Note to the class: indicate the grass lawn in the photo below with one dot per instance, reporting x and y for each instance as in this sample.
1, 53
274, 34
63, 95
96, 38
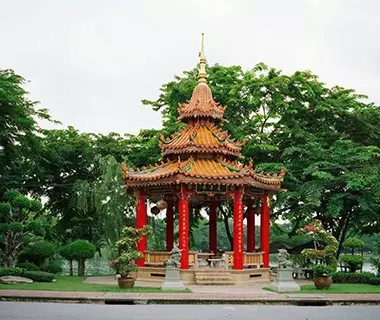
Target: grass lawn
339, 288
75, 283
343, 288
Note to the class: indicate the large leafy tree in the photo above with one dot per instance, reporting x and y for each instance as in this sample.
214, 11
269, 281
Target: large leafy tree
19, 131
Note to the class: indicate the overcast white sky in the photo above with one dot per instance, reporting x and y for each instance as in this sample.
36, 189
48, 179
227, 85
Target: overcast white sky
90, 62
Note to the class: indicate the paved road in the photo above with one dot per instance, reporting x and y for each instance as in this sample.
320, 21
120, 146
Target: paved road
56, 311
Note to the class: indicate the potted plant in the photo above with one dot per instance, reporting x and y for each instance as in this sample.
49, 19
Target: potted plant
324, 259
126, 247
322, 276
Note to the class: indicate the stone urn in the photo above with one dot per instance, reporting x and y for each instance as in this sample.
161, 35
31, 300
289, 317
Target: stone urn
322, 282
125, 283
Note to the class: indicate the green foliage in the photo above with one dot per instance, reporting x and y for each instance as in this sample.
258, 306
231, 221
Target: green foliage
353, 243
375, 263
374, 281
29, 266
53, 266
320, 270
39, 276
39, 251
66, 252
19, 132
82, 249
352, 277
354, 262
325, 259
128, 253
8, 271
19, 225
15, 226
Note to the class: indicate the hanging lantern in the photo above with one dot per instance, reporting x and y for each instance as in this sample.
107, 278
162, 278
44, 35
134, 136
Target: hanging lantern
162, 204
155, 210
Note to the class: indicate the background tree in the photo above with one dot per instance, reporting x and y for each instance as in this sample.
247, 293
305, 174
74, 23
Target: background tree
80, 251
19, 131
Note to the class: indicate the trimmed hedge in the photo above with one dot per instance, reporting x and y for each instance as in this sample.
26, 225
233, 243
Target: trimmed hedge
28, 266
352, 277
8, 271
39, 276
375, 281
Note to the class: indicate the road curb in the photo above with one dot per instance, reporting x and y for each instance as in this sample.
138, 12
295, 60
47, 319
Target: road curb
173, 301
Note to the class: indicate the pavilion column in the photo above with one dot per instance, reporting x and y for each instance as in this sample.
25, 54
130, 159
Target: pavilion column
169, 226
141, 220
264, 238
250, 227
183, 208
238, 230
212, 231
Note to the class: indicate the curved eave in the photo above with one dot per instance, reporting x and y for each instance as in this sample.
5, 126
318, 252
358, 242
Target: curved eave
200, 149
194, 114
182, 178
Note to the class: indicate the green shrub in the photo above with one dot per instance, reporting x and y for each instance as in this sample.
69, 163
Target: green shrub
39, 276
320, 270
8, 271
353, 243
37, 252
53, 266
352, 277
29, 266
354, 262
374, 281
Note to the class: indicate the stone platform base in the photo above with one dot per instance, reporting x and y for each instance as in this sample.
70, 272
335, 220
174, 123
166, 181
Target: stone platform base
219, 276
284, 281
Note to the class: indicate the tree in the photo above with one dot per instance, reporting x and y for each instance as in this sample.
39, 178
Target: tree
19, 131
18, 226
80, 251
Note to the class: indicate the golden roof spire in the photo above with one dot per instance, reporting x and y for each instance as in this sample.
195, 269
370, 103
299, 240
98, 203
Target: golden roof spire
202, 65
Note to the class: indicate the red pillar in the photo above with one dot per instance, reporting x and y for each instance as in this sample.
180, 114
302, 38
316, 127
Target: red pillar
183, 208
169, 226
238, 230
264, 238
212, 233
141, 220
250, 227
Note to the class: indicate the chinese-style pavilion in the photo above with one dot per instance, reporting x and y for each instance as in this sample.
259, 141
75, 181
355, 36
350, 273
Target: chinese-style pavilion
201, 166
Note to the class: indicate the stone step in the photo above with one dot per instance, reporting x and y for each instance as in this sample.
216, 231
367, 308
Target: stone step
214, 279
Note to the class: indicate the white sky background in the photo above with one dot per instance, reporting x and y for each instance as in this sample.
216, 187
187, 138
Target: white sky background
90, 62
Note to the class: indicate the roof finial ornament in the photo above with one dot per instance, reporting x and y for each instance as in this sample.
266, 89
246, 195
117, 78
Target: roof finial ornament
202, 65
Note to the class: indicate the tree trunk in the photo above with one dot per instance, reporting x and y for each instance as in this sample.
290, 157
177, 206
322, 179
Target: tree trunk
81, 267
343, 234
227, 226
71, 267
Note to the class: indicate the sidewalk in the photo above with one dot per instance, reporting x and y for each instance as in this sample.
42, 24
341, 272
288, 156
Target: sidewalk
252, 293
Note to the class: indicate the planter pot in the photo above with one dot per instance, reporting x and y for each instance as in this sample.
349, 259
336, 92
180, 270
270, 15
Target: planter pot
323, 282
125, 283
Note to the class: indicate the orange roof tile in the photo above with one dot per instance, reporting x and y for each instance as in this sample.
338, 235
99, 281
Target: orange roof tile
209, 170
201, 137
201, 104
